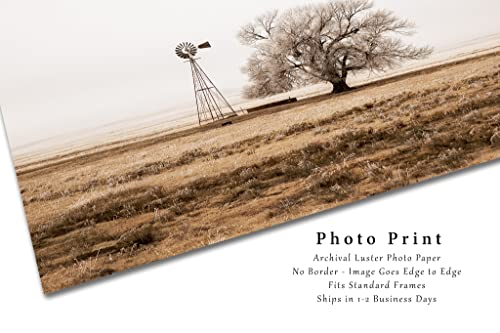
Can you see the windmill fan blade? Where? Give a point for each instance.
(205, 45)
(186, 50)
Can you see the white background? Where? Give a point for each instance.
(247, 285)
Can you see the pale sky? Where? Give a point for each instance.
(72, 65)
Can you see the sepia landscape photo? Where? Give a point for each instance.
(140, 132)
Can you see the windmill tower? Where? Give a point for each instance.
(210, 103)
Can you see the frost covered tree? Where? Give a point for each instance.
(323, 42)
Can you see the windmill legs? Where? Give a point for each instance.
(210, 102)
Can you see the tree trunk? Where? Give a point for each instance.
(340, 86)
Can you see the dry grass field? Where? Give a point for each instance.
(96, 212)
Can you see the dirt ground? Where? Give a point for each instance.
(100, 211)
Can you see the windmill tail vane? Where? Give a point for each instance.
(211, 105)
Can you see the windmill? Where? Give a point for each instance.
(210, 103)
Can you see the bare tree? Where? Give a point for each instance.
(324, 42)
